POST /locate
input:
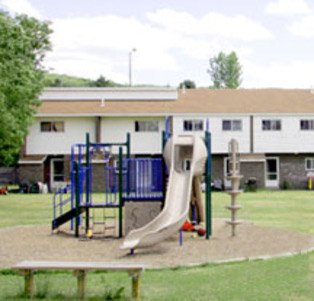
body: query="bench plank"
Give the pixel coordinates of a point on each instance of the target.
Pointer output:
(76, 265)
(80, 268)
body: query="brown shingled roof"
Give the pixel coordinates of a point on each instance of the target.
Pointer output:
(195, 101)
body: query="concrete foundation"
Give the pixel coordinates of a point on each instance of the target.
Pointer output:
(138, 214)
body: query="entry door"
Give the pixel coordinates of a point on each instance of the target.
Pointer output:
(272, 172)
(227, 183)
(57, 173)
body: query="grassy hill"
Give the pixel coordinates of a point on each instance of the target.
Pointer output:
(63, 80)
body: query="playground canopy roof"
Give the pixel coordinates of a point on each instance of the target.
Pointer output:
(190, 101)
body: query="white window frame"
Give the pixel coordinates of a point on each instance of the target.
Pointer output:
(311, 159)
(310, 123)
(272, 124)
(144, 126)
(196, 125)
(52, 123)
(233, 125)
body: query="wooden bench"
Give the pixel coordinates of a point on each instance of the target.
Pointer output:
(28, 268)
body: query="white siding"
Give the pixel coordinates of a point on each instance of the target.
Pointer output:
(220, 138)
(114, 129)
(289, 140)
(38, 142)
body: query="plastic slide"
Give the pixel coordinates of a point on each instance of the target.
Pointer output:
(185, 157)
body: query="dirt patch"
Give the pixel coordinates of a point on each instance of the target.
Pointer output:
(37, 243)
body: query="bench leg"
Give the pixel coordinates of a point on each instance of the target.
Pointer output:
(29, 283)
(136, 292)
(81, 275)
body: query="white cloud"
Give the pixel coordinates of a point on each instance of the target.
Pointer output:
(165, 37)
(212, 24)
(303, 28)
(288, 7)
(293, 74)
(20, 7)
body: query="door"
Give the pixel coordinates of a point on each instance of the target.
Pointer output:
(272, 172)
(57, 173)
(227, 183)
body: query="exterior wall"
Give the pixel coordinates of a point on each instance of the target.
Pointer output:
(59, 143)
(114, 129)
(255, 170)
(31, 172)
(98, 178)
(217, 168)
(247, 169)
(220, 138)
(292, 170)
(289, 140)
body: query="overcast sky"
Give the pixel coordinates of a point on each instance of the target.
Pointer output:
(174, 39)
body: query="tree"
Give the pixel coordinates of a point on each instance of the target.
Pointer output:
(188, 84)
(103, 82)
(225, 71)
(24, 42)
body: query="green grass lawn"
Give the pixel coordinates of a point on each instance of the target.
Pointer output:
(278, 279)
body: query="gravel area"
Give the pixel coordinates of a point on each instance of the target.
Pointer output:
(37, 243)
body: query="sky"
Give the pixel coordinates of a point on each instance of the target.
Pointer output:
(174, 39)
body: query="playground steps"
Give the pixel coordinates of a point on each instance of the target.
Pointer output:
(65, 217)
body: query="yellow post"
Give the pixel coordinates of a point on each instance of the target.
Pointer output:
(310, 184)
(136, 291)
(80, 274)
(29, 283)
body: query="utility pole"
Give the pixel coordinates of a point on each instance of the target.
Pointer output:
(130, 65)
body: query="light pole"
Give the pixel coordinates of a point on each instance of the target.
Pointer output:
(130, 65)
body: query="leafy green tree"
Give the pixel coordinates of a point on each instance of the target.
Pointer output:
(103, 82)
(24, 42)
(188, 84)
(225, 71)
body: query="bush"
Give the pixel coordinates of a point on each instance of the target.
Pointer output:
(285, 185)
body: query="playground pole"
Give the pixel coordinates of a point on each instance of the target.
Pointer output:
(88, 169)
(128, 155)
(120, 192)
(208, 186)
(164, 140)
(128, 145)
(77, 198)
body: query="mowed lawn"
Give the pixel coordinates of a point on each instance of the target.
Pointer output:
(278, 279)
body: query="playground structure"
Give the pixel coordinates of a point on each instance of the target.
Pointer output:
(185, 157)
(127, 179)
(234, 177)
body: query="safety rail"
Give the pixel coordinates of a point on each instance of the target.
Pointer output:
(143, 179)
(59, 201)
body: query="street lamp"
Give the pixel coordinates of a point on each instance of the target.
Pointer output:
(130, 65)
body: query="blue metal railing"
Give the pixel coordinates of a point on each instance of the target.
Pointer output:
(143, 179)
(60, 198)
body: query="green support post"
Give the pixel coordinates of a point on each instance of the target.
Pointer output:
(128, 145)
(208, 186)
(77, 199)
(120, 192)
(164, 140)
(88, 170)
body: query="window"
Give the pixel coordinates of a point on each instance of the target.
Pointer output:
(58, 170)
(307, 125)
(52, 126)
(193, 125)
(271, 125)
(146, 126)
(232, 125)
(309, 164)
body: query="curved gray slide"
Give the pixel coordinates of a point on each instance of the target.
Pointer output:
(185, 157)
